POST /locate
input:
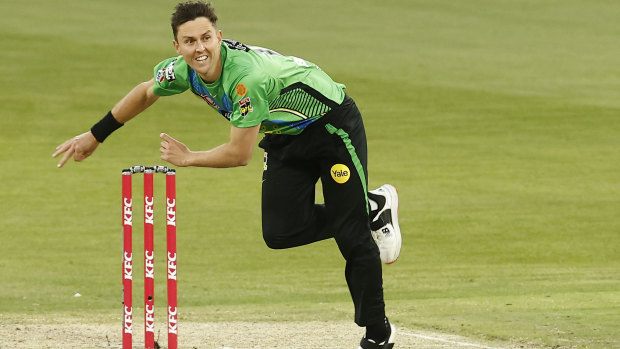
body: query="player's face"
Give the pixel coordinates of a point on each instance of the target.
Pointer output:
(199, 41)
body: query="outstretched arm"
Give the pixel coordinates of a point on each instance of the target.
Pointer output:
(135, 102)
(237, 152)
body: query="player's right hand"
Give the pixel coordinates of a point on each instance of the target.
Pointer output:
(80, 147)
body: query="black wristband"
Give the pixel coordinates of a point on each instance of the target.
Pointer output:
(102, 129)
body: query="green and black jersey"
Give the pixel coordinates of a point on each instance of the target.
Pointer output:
(283, 94)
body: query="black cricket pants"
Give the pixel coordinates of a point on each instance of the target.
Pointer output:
(334, 150)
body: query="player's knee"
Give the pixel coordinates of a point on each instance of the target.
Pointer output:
(276, 231)
(273, 239)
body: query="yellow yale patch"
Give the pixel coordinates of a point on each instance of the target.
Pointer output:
(340, 173)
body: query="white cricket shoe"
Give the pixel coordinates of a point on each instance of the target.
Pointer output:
(388, 343)
(384, 222)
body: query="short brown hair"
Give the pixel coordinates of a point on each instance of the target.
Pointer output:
(190, 10)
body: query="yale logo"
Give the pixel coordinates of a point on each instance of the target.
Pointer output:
(340, 173)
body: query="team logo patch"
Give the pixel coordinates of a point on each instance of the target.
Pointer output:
(340, 173)
(160, 75)
(166, 73)
(236, 45)
(245, 106)
(170, 73)
(241, 90)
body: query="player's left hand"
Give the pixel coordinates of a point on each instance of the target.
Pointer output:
(174, 151)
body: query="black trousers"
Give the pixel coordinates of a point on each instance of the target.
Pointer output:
(334, 150)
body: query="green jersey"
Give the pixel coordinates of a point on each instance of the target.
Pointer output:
(283, 94)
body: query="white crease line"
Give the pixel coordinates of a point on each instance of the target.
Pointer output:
(445, 340)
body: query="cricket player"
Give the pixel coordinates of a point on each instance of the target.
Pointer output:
(313, 131)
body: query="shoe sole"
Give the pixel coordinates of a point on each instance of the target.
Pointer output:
(394, 203)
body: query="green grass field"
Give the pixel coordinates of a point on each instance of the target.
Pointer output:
(498, 121)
